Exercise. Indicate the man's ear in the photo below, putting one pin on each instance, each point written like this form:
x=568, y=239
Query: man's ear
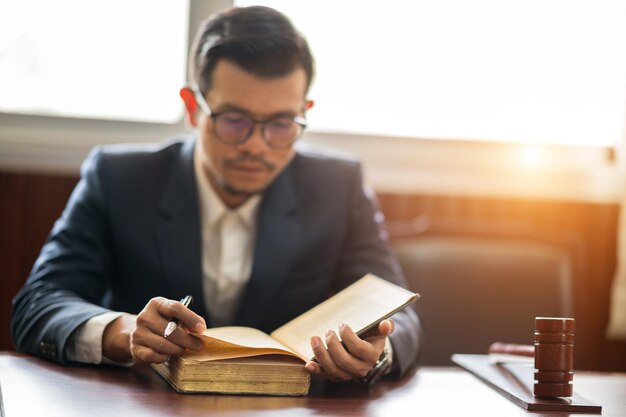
x=191, y=107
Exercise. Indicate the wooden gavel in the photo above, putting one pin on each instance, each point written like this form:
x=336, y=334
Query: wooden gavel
x=554, y=356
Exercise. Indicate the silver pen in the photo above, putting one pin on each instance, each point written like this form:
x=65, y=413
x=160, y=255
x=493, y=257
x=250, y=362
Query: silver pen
x=173, y=324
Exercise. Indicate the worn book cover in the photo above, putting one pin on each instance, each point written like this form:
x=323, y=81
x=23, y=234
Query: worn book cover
x=243, y=360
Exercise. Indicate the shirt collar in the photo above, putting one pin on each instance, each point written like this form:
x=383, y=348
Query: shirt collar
x=211, y=205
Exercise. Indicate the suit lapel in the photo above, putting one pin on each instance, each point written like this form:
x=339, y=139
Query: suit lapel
x=278, y=230
x=178, y=234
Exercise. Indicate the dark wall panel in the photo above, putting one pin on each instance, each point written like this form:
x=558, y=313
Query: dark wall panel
x=29, y=205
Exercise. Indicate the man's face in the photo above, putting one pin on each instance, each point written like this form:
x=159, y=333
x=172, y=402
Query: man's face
x=238, y=171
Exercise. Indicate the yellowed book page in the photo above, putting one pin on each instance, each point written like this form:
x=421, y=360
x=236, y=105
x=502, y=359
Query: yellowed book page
x=361, y=305
x=236, y=342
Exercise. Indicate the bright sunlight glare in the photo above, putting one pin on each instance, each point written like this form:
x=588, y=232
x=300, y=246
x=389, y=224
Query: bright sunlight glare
x=535, y=71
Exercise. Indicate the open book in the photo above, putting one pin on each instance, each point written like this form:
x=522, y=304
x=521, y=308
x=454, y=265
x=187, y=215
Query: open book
x=246, y=360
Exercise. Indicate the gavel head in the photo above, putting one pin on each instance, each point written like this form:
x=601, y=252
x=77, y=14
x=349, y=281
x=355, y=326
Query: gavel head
x=554, y=357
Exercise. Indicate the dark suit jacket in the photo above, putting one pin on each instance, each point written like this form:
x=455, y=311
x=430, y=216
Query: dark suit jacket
x=131, y=231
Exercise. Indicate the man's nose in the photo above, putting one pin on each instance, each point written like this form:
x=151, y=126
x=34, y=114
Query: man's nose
x=256, y=144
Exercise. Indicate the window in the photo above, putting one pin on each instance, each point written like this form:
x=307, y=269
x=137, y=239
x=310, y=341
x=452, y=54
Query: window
x=534, y=71
x=114, y=59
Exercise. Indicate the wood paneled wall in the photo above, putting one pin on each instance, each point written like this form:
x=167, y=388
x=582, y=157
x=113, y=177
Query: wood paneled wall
x=30, y=203
x=587, y=231
x=29, y=206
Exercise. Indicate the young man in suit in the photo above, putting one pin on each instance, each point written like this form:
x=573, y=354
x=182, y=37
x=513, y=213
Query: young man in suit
x=254, y=229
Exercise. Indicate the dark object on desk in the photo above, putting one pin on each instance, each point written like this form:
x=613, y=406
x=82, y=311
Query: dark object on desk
x=554, y=357
x=515, y=382
x=513, y=349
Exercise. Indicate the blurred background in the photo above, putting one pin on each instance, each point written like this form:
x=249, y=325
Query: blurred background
x=492, y=131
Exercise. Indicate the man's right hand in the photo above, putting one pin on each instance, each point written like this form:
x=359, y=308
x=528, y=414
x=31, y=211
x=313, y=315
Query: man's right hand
x=141, y=337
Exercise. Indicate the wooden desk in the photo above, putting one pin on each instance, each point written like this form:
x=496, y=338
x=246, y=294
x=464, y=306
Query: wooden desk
x=34, y=387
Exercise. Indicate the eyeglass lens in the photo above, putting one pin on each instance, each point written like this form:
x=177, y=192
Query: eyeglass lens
x=236, y=128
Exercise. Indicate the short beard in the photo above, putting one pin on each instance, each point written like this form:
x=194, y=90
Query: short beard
x=229, y=188
x=235, y=191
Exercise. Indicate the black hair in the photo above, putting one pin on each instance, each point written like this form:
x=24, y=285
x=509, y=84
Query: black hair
x=260, y=40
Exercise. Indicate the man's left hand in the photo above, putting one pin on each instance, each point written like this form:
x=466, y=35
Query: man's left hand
x=355, y=360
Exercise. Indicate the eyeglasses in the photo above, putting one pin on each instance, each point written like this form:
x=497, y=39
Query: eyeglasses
x=234, y=127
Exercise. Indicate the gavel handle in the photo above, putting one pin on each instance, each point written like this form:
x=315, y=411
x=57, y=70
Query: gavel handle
x=512, y=349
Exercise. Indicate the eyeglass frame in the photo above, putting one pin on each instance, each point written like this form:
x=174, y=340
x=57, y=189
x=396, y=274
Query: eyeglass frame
x=206, y=109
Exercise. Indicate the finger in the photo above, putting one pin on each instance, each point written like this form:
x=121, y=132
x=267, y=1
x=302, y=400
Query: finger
x=185, y=340
x=361, y=349
x=144, y=337
x=144, y=354
x=386, y=327
x=326, y=362
x=344, y=360
x=316, y=369
x=313, y=367
x=174, y=310
x=151, y=321
x=377, y=336
x=152, y=348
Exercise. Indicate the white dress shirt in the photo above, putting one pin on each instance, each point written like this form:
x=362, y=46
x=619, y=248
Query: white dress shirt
x=228, y=238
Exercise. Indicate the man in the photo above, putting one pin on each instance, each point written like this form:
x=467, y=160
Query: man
x=255, y=230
